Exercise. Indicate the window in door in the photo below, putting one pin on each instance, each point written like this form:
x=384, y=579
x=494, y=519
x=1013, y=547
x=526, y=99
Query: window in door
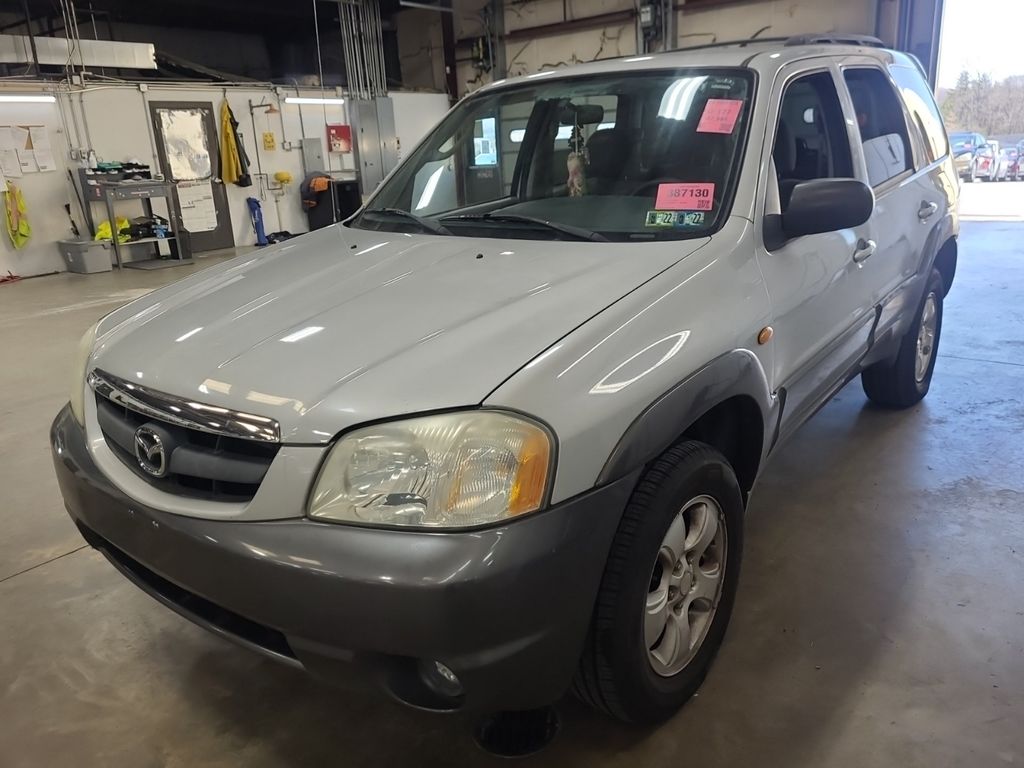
x=917, y=95
x=883, y=128
x=485, y=142
x=812, y=141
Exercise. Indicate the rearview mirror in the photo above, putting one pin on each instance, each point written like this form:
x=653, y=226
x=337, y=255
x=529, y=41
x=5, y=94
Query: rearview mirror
x=581, y=114
x=827, y=205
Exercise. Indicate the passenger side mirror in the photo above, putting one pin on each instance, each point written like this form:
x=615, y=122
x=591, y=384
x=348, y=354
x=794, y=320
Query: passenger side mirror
x=827, y=205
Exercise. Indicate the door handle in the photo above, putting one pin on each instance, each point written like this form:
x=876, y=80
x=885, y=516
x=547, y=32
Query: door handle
x=865, y=250
x=927, y=210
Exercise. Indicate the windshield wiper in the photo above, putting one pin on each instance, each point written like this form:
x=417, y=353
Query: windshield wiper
x=397, y=213
x=566, y=229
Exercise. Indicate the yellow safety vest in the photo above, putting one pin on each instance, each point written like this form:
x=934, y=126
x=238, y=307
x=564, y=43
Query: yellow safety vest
x=17, y=217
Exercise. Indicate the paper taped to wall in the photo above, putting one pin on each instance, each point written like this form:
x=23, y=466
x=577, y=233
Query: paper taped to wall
x=44, y=159
x=9, y=165
x=40, y=138
x=198, y=211
x=27, y=160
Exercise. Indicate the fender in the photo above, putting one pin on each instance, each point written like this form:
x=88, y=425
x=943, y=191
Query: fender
x=738, y=372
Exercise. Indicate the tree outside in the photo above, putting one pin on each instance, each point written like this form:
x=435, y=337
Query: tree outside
x=979, y=103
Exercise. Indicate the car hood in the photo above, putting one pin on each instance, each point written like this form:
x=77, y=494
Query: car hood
x=343, y=326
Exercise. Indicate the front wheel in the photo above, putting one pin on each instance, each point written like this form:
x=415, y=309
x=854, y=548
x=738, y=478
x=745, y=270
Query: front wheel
x=668, y=588
x=905, y=381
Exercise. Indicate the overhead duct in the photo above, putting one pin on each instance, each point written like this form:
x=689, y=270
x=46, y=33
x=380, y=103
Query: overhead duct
x=58, y=51
x=362, y=39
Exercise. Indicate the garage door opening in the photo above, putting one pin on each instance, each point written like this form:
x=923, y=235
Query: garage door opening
x=980, y=86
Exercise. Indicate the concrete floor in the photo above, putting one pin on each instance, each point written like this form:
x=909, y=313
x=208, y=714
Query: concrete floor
x=880, y=619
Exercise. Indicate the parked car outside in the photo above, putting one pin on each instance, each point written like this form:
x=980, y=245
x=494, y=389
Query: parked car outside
x=973, y=157
x=1010, y=165
x=493, y=438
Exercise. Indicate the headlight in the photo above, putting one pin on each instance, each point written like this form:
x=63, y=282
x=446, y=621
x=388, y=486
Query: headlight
x=78, y=374
x=452, y=470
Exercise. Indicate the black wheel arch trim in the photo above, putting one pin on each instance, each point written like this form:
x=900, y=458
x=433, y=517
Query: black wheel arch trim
x=664, y=421
x=943, y=232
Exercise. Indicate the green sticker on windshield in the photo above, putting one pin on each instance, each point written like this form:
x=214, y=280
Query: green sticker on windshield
x=661, y=218
x=675, y=218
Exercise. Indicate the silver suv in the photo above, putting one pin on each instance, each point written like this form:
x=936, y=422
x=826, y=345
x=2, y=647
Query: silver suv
x=493, y=437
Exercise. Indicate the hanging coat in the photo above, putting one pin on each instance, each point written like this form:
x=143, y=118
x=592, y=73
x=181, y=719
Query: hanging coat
x=234, y=164
x=17, y=217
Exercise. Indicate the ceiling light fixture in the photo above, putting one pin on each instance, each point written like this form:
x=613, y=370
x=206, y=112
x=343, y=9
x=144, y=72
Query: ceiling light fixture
x=312, y=100
x=27, y=99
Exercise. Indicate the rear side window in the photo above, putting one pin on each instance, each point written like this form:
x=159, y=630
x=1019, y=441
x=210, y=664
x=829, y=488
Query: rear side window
x=925, y=113
x=883, y=128
x=811, y=141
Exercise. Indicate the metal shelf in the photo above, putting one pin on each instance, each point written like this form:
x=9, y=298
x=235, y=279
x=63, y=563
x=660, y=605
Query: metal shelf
x=148, y=240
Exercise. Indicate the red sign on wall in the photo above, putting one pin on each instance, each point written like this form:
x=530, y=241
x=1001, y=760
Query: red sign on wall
x=339, y=137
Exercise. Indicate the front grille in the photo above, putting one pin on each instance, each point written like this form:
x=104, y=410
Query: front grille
x=200, y=464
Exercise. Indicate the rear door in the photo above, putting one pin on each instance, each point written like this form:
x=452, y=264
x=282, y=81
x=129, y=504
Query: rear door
x=901, y=167
x=821, y=305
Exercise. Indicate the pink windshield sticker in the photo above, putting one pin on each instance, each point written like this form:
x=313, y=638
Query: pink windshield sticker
x=685, y=197
x=720, y=116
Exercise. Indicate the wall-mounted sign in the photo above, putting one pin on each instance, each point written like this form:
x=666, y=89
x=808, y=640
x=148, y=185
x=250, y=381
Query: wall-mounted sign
x=339, y=137
x=269, y=141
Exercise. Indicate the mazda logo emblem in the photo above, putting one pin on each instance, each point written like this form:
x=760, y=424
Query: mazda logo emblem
x=150, y=452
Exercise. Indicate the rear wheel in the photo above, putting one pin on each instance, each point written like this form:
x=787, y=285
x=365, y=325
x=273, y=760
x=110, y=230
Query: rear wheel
x=668, y=588
x=905, y=381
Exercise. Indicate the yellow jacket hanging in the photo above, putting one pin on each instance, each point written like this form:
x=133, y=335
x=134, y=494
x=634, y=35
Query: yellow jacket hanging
x=17, y=217
x=234, y=165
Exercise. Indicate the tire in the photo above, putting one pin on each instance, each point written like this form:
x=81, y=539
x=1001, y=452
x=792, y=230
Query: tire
x=901, y=383
x=617, y=673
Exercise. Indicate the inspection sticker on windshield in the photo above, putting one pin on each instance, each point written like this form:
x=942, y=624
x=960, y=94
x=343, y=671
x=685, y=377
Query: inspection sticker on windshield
x=661, y=218
x=675, y=219
x=685, y=197
x=720, y=116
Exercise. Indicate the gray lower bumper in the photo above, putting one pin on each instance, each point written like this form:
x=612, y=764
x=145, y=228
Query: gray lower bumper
x=505, y=608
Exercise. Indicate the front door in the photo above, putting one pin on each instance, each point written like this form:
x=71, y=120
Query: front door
x=189, y=155
x=820, y=294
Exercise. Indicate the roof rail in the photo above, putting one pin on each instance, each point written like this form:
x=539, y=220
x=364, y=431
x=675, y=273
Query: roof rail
x=836, y=38
x=732, y=43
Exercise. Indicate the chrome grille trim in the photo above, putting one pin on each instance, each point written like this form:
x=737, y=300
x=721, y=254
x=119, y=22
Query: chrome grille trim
x=183, y=412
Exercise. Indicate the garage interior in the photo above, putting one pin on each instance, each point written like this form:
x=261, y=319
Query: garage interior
x=880, y=618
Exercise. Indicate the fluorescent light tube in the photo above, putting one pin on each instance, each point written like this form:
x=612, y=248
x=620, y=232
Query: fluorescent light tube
x=311, y=100
x=27, y=99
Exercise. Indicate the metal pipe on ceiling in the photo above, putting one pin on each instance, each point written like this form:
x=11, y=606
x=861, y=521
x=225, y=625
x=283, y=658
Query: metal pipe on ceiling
x=362, y=34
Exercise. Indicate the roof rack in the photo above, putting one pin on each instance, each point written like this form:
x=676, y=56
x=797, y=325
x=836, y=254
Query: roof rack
x=732, y=43
x=836, y=38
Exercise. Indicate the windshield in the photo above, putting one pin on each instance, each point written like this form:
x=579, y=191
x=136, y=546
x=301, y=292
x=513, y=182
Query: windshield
x=623, y=157
x=961, y=140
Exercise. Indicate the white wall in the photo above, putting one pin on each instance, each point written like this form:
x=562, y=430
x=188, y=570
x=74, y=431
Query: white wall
x=117, y=117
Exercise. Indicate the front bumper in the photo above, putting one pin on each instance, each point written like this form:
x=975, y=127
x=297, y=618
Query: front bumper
x=506, y=608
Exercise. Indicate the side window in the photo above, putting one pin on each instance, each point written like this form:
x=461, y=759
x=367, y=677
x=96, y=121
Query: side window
x=883, y=128
x=812, y=141
x=917, y=95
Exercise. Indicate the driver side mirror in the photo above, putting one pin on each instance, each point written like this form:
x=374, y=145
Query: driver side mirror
x=827, y=205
